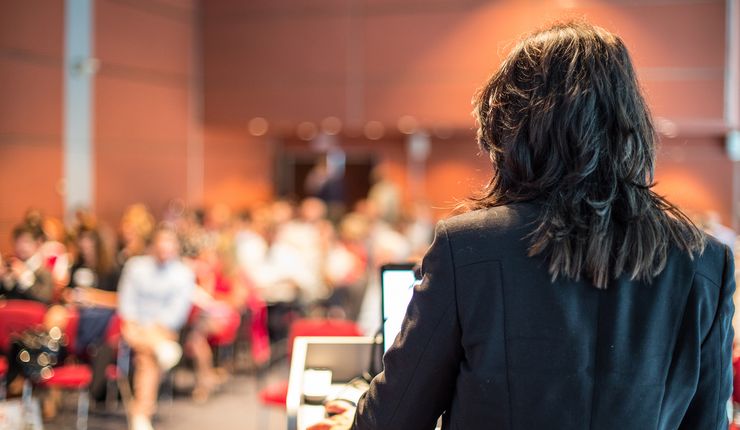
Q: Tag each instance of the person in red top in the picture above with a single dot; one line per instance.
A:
(219, 296)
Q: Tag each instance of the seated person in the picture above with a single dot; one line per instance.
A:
(93, 283)
(220, 296)
(55, 253)
(155, 294)
(54, 249)
(23, 276)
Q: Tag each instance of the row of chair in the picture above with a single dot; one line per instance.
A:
(16, 316)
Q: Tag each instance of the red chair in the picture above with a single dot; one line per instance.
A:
(73, 377)
(224, 339)
(19, 315)
(3, 375)
(15, 317)
(275, 394)
(112, 373)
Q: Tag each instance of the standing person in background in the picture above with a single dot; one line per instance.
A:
(24, 276)
(155, 294)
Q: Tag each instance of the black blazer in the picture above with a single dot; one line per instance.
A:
(490, 341)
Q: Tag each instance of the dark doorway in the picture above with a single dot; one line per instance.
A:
(294, 169)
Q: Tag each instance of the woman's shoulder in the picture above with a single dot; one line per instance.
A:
(502, 218)
(495, 233)
(711, 262)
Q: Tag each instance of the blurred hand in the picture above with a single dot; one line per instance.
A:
(338, 407)
(333, 423)
(17, 267)
(81, 296)
(68, 295)
(323, 425)
(343, 414)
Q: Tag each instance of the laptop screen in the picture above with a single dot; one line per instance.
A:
(397, 283)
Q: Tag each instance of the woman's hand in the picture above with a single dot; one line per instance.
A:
(341, 415)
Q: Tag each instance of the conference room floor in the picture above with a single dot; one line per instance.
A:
(235, 407)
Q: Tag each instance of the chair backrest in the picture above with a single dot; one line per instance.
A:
(321, 327)
(113, 333)
(230, 322)
(17, 316)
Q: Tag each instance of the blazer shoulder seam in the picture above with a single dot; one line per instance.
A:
(712, 281)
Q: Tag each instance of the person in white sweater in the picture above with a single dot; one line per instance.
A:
(155, 295)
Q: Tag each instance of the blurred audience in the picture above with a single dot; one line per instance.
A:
(177, 285)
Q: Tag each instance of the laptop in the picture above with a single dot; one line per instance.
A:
(397, 282)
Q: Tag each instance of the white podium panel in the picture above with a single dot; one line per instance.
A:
(346, 357)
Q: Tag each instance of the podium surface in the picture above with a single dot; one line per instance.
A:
(346, 356)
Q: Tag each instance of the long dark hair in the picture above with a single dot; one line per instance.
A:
(564, 122)
(104, 262)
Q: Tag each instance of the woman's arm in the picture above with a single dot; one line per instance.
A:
(420, 369)
(707, 409)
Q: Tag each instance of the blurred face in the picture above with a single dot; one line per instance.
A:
(165, 246)
(282, 212)
(313, 210)
(87, 248)
(129, 233)
(26, 246)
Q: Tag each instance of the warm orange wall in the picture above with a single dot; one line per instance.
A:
(695, 174)
(237, 168)
(143, 115)
(292, 62)
(289, 60)
(303, 61)
(30, 110)
(143, 112)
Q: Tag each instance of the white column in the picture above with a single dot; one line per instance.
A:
(732, 65)
(195, 150)
(79, 68)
